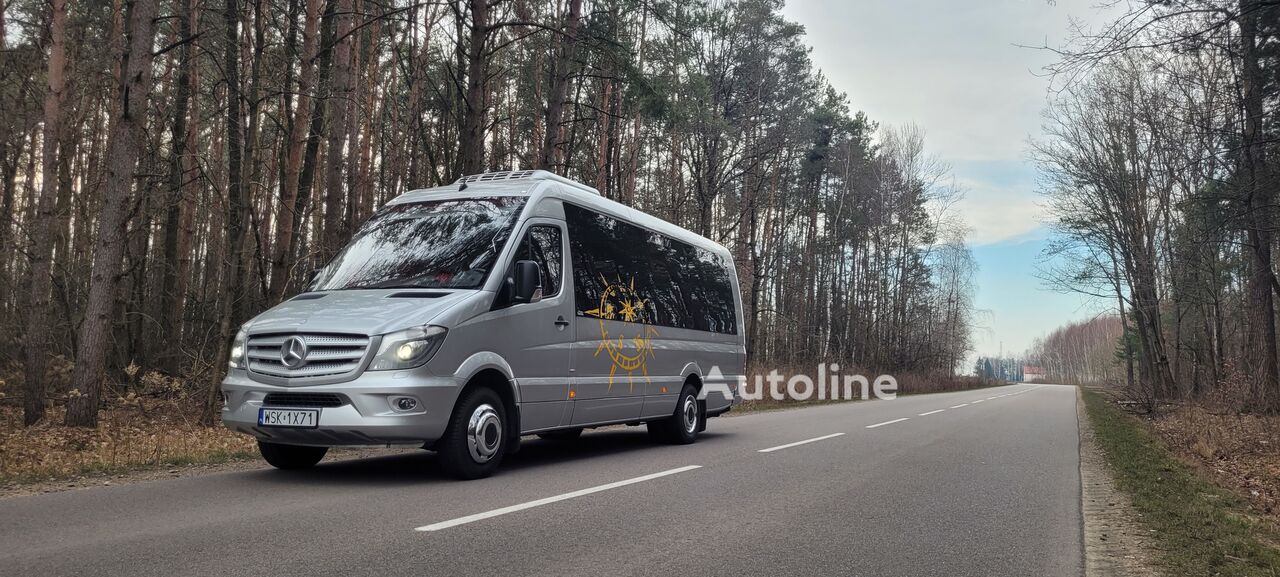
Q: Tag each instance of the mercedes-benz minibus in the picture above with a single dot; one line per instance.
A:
(462, 317)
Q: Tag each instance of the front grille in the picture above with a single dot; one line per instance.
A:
(321, 400)
(326, 355)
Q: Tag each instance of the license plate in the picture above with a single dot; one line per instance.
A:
(302, 418)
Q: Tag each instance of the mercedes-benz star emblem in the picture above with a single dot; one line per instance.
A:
(293, 352)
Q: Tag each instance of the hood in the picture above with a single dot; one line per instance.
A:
(366, 312)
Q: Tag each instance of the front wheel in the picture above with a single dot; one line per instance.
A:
(291, 456)
(681, 428)
(475, 442)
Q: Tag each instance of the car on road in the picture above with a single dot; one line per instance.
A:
(462, 317)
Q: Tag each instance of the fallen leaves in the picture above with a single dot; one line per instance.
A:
(125, 439)
(1239, 449)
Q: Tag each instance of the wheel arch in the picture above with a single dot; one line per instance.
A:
(693, 375)
(491, 371)
(691, 372)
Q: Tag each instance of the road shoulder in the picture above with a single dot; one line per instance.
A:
(1115, 544)
(148, 473)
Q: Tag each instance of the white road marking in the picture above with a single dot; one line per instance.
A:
(931, 412)
(960, 405)
(887, 423)
(798, 443)
(976, 402)
(549, 500)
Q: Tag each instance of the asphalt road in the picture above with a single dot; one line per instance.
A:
(988, 486)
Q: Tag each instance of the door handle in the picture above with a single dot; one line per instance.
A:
(560, 322)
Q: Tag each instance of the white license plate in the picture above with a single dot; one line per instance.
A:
(303, 418)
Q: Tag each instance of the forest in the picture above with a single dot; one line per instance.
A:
(169, 168)
(1160, 162)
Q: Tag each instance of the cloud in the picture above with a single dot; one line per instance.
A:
(997, 215)
(1000, 202)
(953, 68)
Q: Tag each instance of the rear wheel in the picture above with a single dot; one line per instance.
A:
(562, 434)
(291, 456)
(475, 442)
(681, 428)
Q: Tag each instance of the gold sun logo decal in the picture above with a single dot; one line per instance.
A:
(619, 302)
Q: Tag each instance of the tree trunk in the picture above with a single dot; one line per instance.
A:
(311, 156)
(232, 288)
(42, 248)
(191, 180)
(336, 157)
(8, 197)
(1262, 327)
(549, 157)
(293, 157)
(126, 139)
(170, 298)
(1151, 341)
(474, 123)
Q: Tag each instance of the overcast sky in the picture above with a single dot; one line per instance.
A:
(953, 68)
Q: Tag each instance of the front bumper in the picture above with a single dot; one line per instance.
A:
(366, 419)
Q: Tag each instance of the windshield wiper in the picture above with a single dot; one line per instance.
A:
(392, 284)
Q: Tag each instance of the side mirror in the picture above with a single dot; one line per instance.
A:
(527, 282)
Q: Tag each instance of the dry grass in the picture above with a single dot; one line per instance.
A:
(1239, 451)
(124, 440)
(918, 383)
(155, 424)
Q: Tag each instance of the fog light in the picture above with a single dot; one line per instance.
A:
(404, 404)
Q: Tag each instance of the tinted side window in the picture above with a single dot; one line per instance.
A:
(627, 273)
(542, 245)
(611, 277)
(707, 290)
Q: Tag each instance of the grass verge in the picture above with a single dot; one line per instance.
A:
(1200, 529)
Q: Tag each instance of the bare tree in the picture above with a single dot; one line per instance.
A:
(297, 141)
(41, 235)
(1180, 91)
(123, 152)
(338, 104)
(549, 156)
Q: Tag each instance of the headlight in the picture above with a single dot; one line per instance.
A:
(408, 349)
(237, 349)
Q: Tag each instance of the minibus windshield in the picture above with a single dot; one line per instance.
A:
(434, 244)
